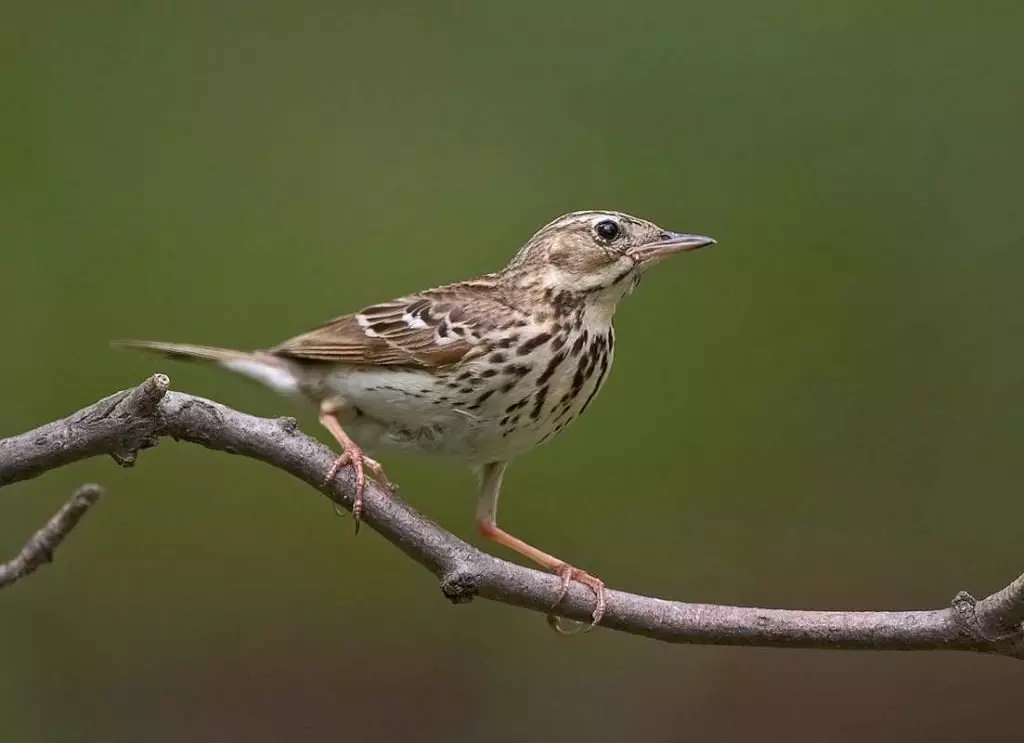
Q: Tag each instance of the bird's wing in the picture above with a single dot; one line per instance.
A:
(430, 330)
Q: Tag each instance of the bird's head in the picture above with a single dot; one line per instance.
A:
(596, 256)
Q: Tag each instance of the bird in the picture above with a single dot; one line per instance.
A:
(477, 372)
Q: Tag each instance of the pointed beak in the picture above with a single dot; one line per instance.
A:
(670, 243)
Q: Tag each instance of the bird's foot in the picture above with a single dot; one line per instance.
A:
(569, 574)
(354, 456)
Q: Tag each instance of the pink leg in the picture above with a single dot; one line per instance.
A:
(353, 455)
(486, 519)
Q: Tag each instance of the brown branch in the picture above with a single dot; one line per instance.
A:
(125, 423)
(40, 548)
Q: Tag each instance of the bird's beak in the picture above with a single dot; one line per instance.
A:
(668, 244)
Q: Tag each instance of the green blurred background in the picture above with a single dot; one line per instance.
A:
(825, 411)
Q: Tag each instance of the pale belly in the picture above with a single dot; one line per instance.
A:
(486, 412)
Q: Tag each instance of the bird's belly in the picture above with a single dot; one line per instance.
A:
(479, 413)
(409, 411)
(400, 409)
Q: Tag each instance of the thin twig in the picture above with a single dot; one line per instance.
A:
(40, 548)
(125, 423)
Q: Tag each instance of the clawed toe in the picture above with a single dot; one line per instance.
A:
(343, 459)
(360, 463)
(568, 574)
(378, 473)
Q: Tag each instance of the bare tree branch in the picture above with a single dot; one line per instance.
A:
(39, 549)
(123, 424)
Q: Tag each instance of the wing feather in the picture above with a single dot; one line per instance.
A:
(430, 330)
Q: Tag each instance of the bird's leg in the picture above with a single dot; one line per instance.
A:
(486, 520)
(351, 454)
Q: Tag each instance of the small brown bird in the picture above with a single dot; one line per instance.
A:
(479, 371)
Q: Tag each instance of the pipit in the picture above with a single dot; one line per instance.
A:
(480, 371)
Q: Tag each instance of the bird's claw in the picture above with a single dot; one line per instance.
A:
(568, 574)
(360, 463)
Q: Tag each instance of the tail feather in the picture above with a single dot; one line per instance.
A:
(184, 351)
(269, 370)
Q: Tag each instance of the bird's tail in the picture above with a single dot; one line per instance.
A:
(271, 370)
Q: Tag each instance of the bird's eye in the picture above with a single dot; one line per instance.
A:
(607, 229)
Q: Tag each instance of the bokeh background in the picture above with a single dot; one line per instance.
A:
(825, 411)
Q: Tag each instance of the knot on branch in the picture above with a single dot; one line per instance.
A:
(288, 424)
(143, 401)
(966, 612)
(138, 402)
(139, 406)
(460, 586)
(964, 607)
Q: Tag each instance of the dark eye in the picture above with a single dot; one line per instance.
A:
(607, 229)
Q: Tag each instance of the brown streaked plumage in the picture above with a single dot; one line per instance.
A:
(479, 371)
